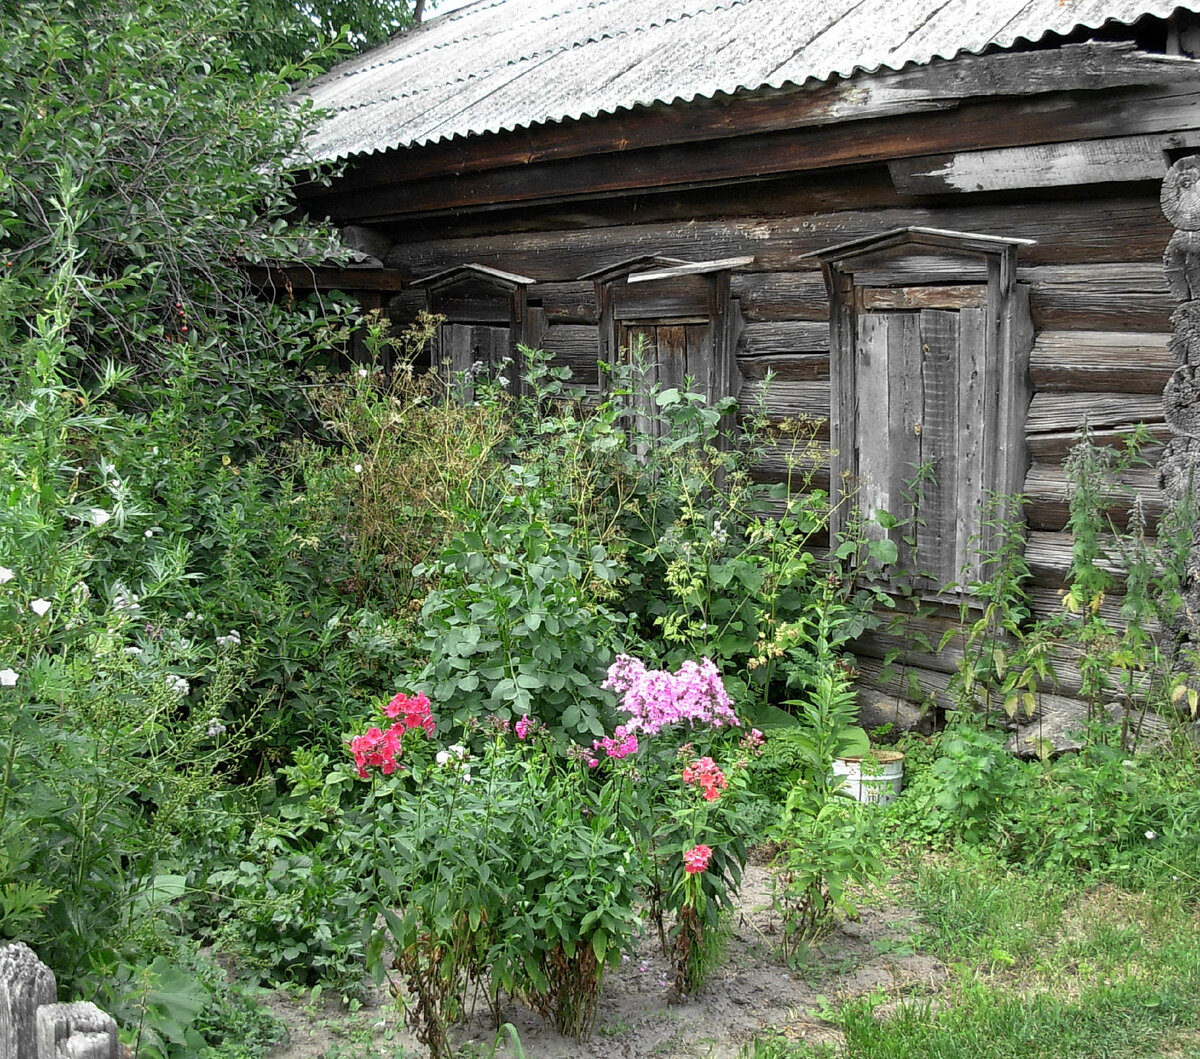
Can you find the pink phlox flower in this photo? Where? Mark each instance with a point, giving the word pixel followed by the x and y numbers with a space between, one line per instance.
pixel 524 726
pixel 624 673
pixel 696 859
pixel 414 709
pixel 707 775
pixel 752 742
pixel 622 744
pixel 655 699
pixel 377 749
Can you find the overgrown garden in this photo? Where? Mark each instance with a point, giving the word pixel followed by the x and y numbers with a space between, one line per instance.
pixel 312 672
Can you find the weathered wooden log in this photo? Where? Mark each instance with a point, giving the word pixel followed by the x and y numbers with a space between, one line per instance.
pixel 1115 297
pixel 1100 362
pixel 1064 727
pixel 1180 194
pixel 1185 341
pixel 1048 496
pixel 1181 265
pixel 76 1031
pixel 1057 412
pixel 25 984
pixel 1181 401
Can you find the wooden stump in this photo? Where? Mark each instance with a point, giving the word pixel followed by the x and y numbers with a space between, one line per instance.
pixel 76 1031
pixel 1180 194
pixel 1181 265
pixel 1181 401
pixel 25 984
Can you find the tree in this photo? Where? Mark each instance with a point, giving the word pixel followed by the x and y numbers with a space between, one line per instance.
pixel 277 32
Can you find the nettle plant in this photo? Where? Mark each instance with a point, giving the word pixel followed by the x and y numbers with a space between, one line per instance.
pixel 503 865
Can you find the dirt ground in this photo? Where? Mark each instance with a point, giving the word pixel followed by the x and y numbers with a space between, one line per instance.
pixel 640 1015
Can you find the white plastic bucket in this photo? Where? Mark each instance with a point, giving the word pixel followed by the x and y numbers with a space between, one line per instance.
pixel 875 780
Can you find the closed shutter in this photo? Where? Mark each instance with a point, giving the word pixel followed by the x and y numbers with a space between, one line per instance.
pixel 921 432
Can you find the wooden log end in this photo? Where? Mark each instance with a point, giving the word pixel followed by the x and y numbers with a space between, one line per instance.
pixel 1181 265
pixel 1180 195
pixel 1179 468
pixel 1181 401
pixel 1185 341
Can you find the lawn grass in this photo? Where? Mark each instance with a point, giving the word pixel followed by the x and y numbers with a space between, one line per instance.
pixel 1040 968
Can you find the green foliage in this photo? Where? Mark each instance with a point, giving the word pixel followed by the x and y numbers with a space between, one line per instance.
pixel 509 867
pixel 514 626
pixel 827 849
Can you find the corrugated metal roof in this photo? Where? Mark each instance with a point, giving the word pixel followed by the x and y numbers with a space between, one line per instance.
pixel 508 64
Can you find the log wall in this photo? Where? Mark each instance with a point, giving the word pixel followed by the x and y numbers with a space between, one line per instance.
pixel 1100 305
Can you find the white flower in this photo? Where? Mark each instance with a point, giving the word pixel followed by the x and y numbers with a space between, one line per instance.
pixel 40 607
pixel 98 516
pixel 466 776
pixel 148 533
pixel 232 639
pixel 177 684
pixel 132 651
pixel 443 757
pixel 6 574
pixel 8 677
pixel 358 468
pixel 1151 835
pixel 362 373
pixel 458 751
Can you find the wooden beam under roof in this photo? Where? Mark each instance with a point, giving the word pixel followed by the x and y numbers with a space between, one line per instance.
pixel 941 85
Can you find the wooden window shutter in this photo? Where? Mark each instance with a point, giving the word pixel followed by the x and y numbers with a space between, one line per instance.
pixel 929 363
pixel 488 317
pixel 682 315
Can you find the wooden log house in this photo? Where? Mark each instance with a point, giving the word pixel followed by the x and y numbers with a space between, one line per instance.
pixel 937 224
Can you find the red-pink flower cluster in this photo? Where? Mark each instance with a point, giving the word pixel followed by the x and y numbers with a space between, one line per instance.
pixel 706 774
pixel 695 860
pixel 377 748
pixel 413 710
pixel 622 744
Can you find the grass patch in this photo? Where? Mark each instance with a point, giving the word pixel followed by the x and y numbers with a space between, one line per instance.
pixel 1041 968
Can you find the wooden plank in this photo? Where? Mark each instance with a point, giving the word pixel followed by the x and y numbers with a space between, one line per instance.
pixel 1125 296
pixel 940 296
pixel 671 353
pixel 781 296
pixel 877 334
pixel 983 125
pixel 303 278
pixel 573 342
pixel 1057 412
pixel 1043 165
pixel 969 484
pixel 937 528
pixel 1049 557
pixel 902 432
pixel 1047 603
pixel 1047 492
pixel 1101 361
pixel 778 337
pixel 683 297
pixel 1054 447
pixel 787 366
pixel 638 347
pixel 1129 229
pixel 787 399
pixel 568 303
